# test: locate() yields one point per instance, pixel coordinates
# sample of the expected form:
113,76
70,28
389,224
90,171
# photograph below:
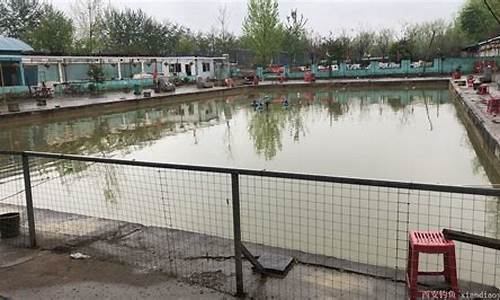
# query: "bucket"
9,225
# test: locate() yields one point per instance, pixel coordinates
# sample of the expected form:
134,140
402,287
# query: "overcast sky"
323,15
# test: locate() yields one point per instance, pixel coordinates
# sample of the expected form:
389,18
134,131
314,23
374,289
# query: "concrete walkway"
478,104
483,126
132,261
64,101
37,274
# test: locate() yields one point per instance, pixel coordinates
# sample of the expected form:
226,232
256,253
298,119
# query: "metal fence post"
235,188
29,200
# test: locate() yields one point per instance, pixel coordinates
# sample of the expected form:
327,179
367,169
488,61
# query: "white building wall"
196,63
207,74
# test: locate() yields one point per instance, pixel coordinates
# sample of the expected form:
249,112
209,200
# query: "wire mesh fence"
12,196
348,237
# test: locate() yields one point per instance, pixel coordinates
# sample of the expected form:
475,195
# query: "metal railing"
347,236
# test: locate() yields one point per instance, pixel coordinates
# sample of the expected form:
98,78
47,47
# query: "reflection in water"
273,132
265,129
395,134
410,134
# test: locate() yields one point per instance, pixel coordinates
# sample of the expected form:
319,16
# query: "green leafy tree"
19,16
401,49
336,48
96,73
54,33
133,32
477,21
262,30
362,44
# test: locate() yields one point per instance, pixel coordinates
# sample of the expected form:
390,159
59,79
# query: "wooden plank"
471,239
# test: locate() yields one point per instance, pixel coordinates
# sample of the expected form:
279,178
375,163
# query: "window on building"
174,68
10,74
188,69
206,67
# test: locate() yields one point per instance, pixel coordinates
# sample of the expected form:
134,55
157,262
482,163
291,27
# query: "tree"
19,16
87,15
295,41
401,49
54,33
223,20
337,48
223,41
133,32
361,45
262,30
477,21
383,42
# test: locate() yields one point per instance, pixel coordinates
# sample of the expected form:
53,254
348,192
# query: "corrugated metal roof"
8,44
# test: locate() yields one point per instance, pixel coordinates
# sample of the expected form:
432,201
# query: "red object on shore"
431,242
282,78
483,89
229,82
255,80
493,105
276,69
456,75
470,81
309,76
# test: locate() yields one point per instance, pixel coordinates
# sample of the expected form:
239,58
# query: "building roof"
479,44
8,44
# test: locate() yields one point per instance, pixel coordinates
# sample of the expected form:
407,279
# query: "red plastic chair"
431,242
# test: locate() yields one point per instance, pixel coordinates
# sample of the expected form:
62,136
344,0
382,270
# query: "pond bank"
481,127
70,104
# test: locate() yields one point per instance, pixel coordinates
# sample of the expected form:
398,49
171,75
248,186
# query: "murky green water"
406,134
410,135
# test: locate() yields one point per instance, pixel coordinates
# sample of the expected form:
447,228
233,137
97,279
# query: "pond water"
410,135
398,134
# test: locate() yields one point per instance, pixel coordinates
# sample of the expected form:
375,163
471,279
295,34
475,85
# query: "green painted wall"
440,66
48,73
6,90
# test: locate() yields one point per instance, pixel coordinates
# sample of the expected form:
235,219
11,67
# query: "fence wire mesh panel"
351,241
175,221
347,238
12,196
342,237
478,267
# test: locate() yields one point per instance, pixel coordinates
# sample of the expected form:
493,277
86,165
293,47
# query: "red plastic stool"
431,242
493,105
483,89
